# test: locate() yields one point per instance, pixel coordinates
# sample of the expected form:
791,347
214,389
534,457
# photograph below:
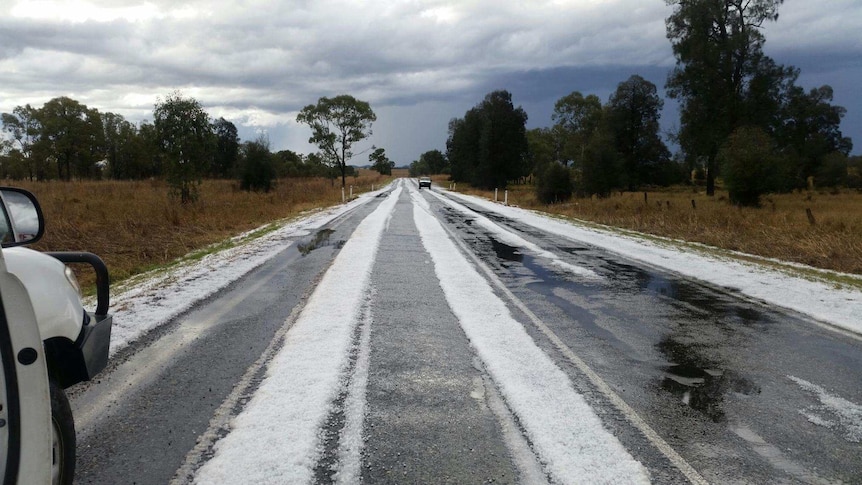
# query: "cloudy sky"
418,62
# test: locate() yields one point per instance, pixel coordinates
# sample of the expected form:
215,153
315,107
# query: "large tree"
336,124
718,48
633,117
185,138
488,147
226,148
72,134
809,131
576,117
435,160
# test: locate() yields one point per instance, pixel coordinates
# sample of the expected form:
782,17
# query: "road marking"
628,412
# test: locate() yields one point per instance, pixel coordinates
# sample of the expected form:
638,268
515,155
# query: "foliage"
380,162
337,124
257,169
185,139
435,161
633,118
600,170
809,130
554,184
488,147
226,148
542,149
720,62
72,134
750,166
576,117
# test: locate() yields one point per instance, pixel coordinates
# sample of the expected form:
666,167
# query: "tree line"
742,118
65,140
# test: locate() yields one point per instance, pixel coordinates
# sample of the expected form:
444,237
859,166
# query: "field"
831,238
135,226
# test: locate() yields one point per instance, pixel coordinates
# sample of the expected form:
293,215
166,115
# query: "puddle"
319,240
699,383
506,252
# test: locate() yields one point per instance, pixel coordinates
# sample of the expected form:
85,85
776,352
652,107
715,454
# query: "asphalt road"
695,381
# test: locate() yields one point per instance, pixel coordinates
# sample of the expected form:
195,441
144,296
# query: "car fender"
57,305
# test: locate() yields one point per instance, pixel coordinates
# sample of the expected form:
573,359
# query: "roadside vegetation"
136,226
831,238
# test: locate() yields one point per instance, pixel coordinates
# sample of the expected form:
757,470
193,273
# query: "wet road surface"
740,392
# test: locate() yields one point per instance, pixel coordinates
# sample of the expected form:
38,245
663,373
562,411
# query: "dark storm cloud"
419,62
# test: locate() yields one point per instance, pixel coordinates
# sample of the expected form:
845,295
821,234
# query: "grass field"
781,228
134,226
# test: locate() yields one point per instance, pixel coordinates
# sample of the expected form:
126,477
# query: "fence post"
495,195
506,197
342,194
351,191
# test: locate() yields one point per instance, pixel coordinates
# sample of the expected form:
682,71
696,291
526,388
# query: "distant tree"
633,117
749,165
257,170
601,166
418,167
718,48
488,147
186,141
462,145
554,183
380,162
290,164
72,134
435,161
125,151
540,142
575,118
24,127
336,124
226,148
810,131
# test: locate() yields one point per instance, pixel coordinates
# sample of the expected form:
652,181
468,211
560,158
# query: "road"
455,345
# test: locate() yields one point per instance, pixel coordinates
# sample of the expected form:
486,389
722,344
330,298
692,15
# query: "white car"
424,182
75,342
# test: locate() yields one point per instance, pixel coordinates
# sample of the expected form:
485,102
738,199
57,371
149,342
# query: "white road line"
630,414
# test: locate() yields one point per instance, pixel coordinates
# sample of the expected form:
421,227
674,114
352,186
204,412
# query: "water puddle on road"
700,384
319,240
506,252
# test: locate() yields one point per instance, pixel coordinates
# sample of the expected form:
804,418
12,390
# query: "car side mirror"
22,221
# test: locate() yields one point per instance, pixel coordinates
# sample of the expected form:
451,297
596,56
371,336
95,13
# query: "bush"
554,184
749,166
257,166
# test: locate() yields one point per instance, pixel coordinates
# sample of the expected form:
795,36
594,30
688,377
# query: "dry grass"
780,229
135,226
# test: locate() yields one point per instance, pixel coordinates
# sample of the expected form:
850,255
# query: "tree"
488,147
380,162
575,118
554,184
542,149
72,134
24,127
810,131
718,49
749,165
185,139
226,148
127,154
435,161
600,170
633,117
336,124
257,169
